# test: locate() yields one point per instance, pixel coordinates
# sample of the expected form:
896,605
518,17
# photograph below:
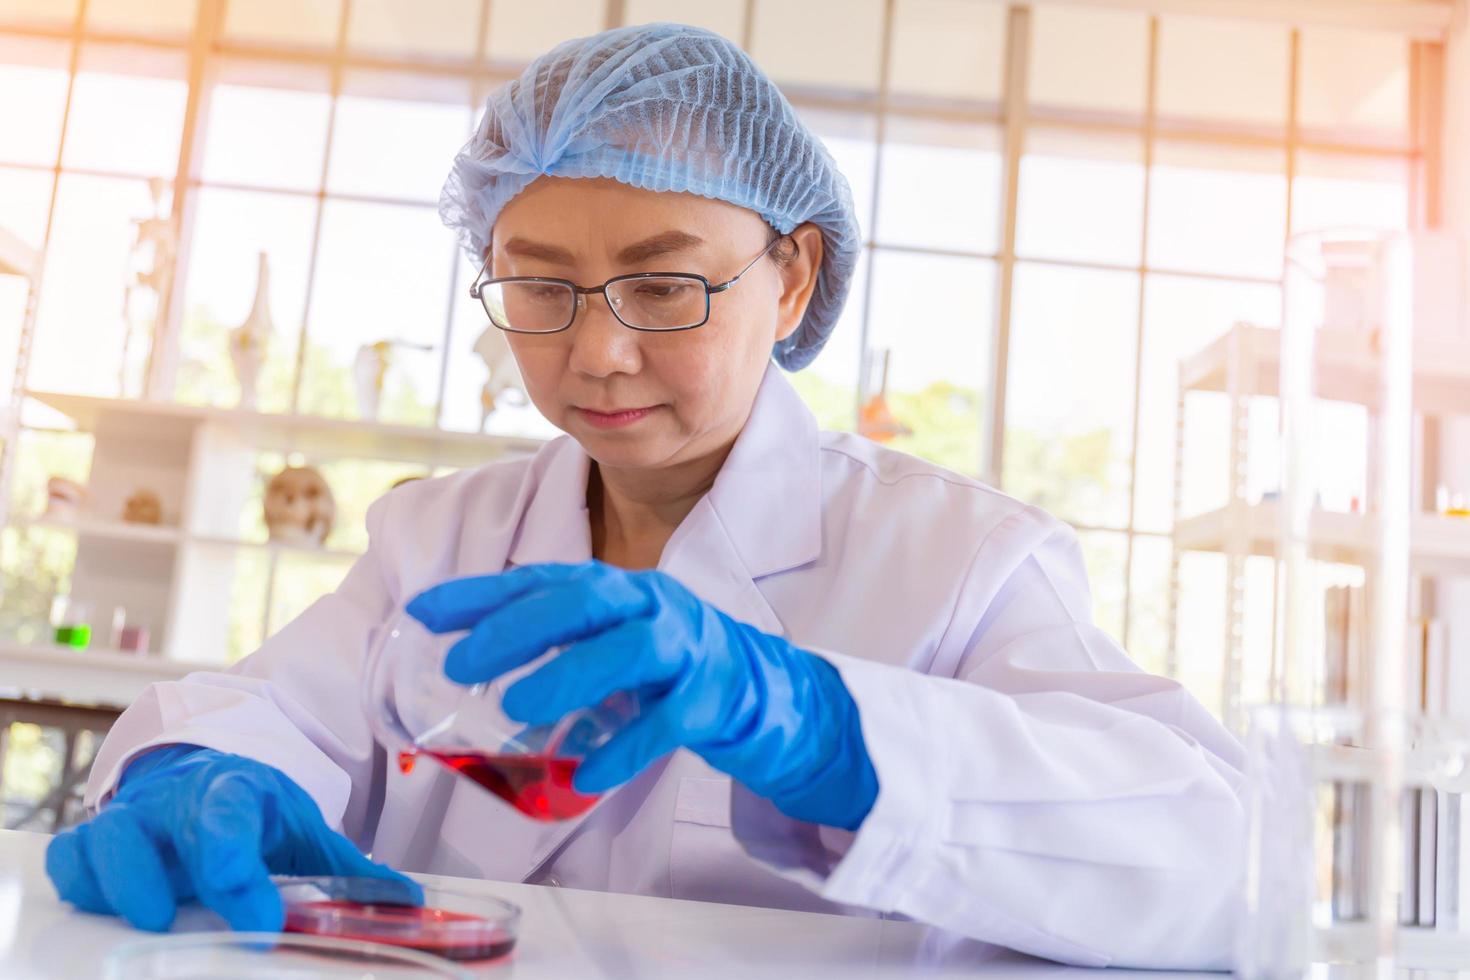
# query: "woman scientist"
870,685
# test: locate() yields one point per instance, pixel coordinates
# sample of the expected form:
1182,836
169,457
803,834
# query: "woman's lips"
615,420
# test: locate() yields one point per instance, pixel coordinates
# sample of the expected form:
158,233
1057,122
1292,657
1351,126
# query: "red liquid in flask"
540,786
408,926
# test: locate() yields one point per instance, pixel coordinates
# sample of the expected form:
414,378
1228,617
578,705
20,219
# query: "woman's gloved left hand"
775,717
191,822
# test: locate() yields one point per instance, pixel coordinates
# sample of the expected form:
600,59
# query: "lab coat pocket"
704,801
707,863
700,842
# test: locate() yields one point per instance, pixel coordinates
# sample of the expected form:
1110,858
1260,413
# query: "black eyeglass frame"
476,292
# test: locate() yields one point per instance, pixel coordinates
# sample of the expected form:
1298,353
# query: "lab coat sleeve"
1051,797
293,703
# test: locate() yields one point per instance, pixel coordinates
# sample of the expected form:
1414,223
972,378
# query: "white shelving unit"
1347,365
156,534
1244,363
95,676
314,436
202,462
171,536
1440,544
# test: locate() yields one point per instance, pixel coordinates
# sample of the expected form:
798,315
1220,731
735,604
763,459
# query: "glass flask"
415,710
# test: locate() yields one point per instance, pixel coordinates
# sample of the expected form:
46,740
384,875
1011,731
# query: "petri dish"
456,925
271,956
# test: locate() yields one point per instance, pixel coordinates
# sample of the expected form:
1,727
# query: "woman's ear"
798,277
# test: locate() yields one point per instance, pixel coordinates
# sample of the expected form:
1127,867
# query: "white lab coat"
1037,790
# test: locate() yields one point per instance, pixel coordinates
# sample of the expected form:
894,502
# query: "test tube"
1389,487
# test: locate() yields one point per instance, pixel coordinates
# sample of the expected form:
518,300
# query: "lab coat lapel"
762,516
552,528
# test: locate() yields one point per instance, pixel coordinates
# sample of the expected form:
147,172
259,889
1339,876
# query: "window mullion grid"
1018,38
26,341
476,84
160,372
314,253
1149,134
880,137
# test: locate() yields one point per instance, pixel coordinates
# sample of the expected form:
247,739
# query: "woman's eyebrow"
663,243
527,249
660,244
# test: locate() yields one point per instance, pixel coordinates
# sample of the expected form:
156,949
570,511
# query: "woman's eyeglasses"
654,301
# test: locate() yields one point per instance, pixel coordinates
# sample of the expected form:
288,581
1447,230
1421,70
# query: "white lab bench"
566,933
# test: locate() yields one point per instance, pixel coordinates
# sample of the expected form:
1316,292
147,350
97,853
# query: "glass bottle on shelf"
71,622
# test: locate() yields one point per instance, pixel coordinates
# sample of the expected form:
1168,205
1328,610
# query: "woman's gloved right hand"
190,822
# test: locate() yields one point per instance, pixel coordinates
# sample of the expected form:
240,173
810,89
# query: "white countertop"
565,934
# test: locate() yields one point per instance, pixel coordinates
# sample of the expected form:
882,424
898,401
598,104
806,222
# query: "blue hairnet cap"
664,107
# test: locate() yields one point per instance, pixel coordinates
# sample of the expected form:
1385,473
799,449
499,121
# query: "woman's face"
635,399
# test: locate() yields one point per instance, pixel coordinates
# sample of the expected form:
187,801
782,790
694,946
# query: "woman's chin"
623,450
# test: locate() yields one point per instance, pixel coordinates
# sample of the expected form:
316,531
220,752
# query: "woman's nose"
601,345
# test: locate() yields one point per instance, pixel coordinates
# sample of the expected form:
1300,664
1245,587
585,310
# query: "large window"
1058,203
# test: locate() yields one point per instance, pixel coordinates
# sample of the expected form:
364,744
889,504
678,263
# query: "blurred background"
1062,203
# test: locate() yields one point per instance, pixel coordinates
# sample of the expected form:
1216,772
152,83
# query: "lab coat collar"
554,526
768,493
766,500
761,516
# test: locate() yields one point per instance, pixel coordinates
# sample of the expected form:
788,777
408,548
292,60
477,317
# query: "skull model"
299,507
143,507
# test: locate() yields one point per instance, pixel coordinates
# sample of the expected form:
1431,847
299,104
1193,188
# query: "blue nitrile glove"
190,822
773,716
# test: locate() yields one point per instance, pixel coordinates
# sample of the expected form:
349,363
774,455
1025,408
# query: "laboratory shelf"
278,547
315,436
96,676
1348,368
1437,544
120,551
1337,763
155,534
16,257
1415,947
1431,948
162,535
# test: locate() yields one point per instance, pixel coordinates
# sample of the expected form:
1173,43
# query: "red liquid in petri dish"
540,786
408,926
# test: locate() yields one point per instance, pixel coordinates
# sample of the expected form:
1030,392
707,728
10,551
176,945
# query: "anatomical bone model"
299,507
505,376
248,341
370,372
151,276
